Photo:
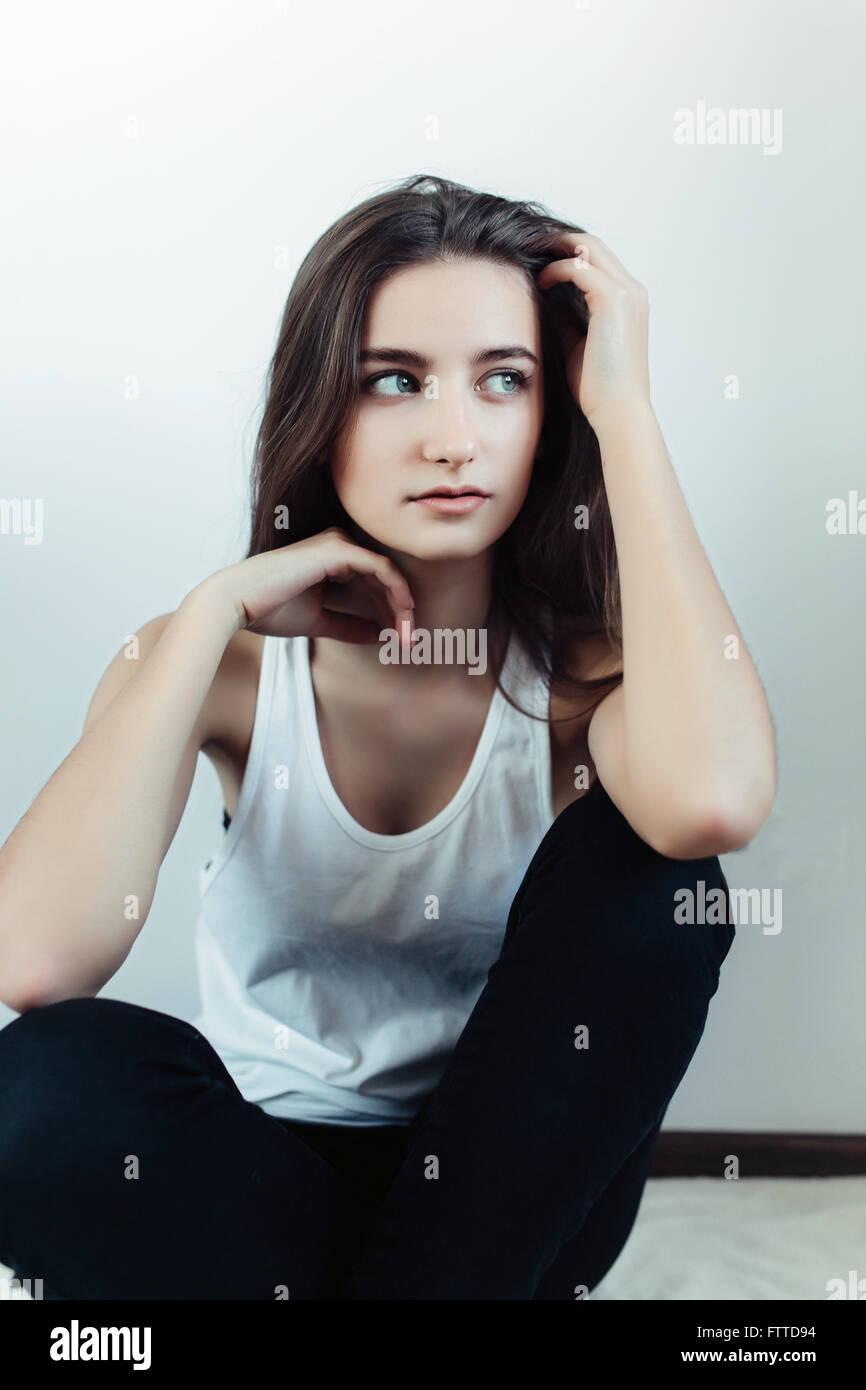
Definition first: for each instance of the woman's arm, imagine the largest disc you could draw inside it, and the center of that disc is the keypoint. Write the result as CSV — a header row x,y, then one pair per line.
x,y
685,746
79,871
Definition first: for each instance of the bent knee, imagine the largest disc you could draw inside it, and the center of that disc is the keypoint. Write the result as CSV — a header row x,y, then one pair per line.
x,y
86,1062
682,928
90,1043
67,1024
65,1020
613,895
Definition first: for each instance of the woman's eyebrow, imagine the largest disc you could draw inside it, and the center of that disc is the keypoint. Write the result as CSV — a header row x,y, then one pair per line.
x,y
416,359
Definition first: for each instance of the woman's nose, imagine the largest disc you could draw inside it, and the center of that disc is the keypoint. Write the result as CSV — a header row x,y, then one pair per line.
x,y
440,451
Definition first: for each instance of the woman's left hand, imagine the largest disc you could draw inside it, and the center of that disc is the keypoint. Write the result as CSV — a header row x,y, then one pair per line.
x,y
607,365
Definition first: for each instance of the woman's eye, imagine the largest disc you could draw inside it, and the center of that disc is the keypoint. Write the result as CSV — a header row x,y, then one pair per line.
x,y
376,381
517,379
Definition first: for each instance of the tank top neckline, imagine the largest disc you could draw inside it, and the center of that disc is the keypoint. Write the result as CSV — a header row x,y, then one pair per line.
x,y
373,839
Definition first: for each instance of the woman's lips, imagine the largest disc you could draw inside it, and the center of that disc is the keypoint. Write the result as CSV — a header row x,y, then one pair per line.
x,y
469,502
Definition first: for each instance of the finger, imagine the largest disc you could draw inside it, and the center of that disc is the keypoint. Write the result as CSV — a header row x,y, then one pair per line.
x,y
587,277
396,592
359,627
372,587
378,567
358,594
598,253
344,627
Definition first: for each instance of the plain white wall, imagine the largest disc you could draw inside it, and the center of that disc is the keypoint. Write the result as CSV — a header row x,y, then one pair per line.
x,y
165,172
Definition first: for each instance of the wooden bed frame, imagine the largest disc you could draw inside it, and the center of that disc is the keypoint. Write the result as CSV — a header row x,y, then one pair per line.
x,y
684,1153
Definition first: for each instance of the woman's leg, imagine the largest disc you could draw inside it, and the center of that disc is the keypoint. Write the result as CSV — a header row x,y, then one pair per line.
x,y
585,1259
552,1097
369,1156
132,1167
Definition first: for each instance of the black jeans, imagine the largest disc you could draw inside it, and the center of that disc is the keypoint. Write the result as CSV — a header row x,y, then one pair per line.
x,y
132,1167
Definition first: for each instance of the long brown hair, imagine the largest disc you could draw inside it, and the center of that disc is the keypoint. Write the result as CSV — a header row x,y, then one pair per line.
x,y
546,572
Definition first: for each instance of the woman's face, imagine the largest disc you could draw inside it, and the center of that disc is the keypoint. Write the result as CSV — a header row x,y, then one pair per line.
x,y
451,397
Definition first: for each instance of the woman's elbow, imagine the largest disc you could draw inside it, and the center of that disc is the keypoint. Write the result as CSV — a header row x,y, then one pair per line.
x,y
715,830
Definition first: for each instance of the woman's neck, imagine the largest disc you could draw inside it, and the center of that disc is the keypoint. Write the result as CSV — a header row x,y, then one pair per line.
x,y
454,644
451,617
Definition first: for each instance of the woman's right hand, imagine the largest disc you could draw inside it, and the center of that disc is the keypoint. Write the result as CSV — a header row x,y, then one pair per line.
x,y
324,586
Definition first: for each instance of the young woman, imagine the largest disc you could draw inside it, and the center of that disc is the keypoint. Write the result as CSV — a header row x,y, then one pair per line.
x,y
448,987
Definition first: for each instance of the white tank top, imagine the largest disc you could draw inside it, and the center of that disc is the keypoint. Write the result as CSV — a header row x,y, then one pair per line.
x,y
337,966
